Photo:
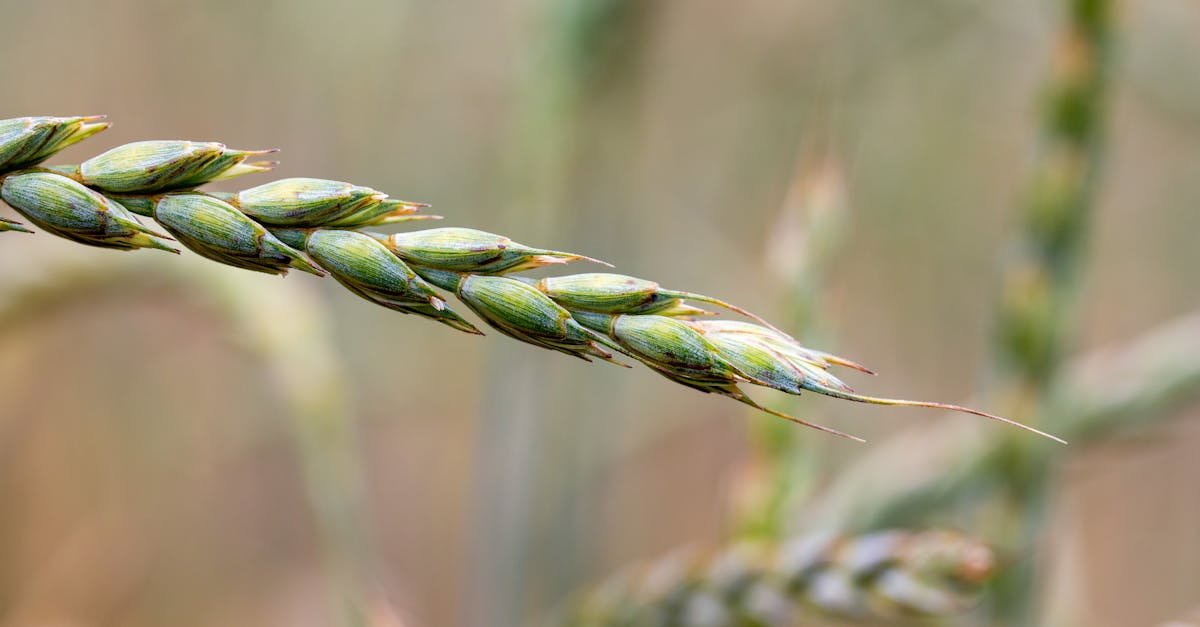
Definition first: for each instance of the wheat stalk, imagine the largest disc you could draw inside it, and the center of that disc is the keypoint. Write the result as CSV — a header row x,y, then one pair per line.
x,y
1037,299
882,575
315,226
305,377
1037,296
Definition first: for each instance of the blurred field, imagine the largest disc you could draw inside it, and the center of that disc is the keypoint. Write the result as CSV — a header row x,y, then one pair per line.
x,y
148,473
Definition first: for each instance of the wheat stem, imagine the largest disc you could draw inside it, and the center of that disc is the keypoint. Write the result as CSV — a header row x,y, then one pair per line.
x,y
1038,293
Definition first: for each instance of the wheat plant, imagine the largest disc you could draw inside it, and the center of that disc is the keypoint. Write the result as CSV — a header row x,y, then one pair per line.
x,y
321,227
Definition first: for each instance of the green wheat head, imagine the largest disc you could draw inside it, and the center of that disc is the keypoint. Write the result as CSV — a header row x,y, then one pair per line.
x,y
325,227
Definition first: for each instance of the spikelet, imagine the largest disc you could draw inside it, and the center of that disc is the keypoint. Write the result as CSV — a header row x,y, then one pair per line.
x,y
63,207
26,142
603,292
309,202
676,350
469,250
367,268
521,312
149,167
781,340
212,228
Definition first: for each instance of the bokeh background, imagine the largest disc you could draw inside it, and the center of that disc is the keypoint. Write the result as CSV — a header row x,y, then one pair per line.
x,y
179,450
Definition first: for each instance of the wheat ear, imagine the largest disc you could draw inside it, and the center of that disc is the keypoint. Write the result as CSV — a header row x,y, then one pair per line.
x,y
315,225
877,576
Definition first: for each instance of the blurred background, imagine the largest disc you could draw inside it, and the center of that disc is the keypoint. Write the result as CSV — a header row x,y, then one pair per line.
x,y
181,448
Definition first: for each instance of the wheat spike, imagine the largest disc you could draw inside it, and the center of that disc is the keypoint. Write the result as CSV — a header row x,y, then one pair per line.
x,y
883,575
313,225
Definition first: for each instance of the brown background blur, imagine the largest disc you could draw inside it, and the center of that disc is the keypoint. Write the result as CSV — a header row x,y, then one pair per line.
x,y
148,475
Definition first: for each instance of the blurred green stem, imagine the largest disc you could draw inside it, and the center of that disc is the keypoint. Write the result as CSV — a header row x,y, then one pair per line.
x,y
1038,293
287,332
